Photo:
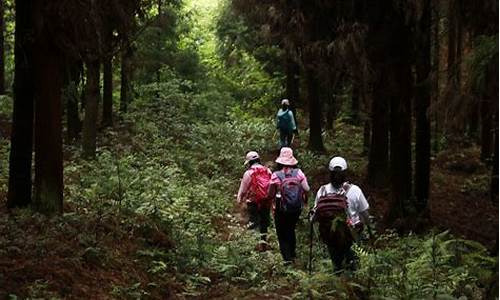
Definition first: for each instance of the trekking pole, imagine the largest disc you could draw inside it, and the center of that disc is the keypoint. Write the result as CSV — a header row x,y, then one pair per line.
x,y
291,142
311,230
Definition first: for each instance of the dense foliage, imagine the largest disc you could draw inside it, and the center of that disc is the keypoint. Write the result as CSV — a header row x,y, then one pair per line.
x,y
206,86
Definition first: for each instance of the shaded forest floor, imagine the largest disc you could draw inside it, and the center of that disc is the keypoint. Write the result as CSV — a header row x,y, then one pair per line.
x,y
110,252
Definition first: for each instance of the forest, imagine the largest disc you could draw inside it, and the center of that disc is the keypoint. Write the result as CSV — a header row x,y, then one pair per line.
x,y
126,129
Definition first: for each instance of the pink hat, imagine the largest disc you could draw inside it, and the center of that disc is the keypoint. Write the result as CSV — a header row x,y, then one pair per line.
x,y
286,157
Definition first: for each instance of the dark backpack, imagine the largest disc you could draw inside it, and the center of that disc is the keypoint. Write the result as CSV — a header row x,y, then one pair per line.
x,y
285,121
331,205
260,184
291,192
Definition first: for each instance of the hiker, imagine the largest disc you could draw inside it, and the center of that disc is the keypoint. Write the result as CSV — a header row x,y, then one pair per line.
x,y
285,123
341,210
253,192
289,189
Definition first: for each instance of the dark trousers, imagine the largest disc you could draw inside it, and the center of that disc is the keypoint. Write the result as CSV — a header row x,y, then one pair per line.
x,y
285,229
260,216
285,138
341,258
339,243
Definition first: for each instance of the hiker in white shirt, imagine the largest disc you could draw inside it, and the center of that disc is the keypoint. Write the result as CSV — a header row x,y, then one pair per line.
x,y
355,208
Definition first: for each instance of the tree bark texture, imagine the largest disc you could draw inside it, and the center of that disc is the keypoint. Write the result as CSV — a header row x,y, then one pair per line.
x,y
107,94
494,170
366,136
20,183
436,70
379,43
422,104
315,115
92,95
400,137
486,129
389,53
378,158
48,120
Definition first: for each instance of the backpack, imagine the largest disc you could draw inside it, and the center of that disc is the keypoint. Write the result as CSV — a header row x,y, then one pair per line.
x,y
285,120
291,192
331,205
260,183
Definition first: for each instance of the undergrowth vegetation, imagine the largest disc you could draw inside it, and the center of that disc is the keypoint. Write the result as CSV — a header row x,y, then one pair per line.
x,y
178,161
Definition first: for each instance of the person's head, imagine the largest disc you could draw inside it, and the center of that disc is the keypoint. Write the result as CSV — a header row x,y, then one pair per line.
x,y
285,104
286,158
252,158
337,167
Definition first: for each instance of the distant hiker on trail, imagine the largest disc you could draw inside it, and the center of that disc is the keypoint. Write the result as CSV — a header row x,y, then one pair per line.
x,y
289,189
285,123
341,210
253,192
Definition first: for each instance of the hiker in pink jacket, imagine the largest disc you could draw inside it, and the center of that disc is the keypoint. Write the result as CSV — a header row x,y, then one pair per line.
x,y
253,192
289,189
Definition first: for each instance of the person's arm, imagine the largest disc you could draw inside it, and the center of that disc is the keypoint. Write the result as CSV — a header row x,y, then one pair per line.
x,y
244,186
312,212
271,192
303,181
365,217
292,118
277,119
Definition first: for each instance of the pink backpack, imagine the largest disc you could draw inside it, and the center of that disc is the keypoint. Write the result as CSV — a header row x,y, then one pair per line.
x,y
260,183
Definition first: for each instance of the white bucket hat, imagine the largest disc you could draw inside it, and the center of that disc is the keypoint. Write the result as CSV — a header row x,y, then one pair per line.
x,y
286,157
337,161
252,155
285,102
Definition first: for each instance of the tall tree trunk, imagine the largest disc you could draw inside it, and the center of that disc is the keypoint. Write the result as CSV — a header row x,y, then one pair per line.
x,y
82,89
125,74
436,70
92,95
292,70
473,126
378,159
107,94
489,108
2,48
71,97
379,44
315,115
494,170
21,148
452,39
331,112
48,121
486,128
422,103
73,121
366,136
400,136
